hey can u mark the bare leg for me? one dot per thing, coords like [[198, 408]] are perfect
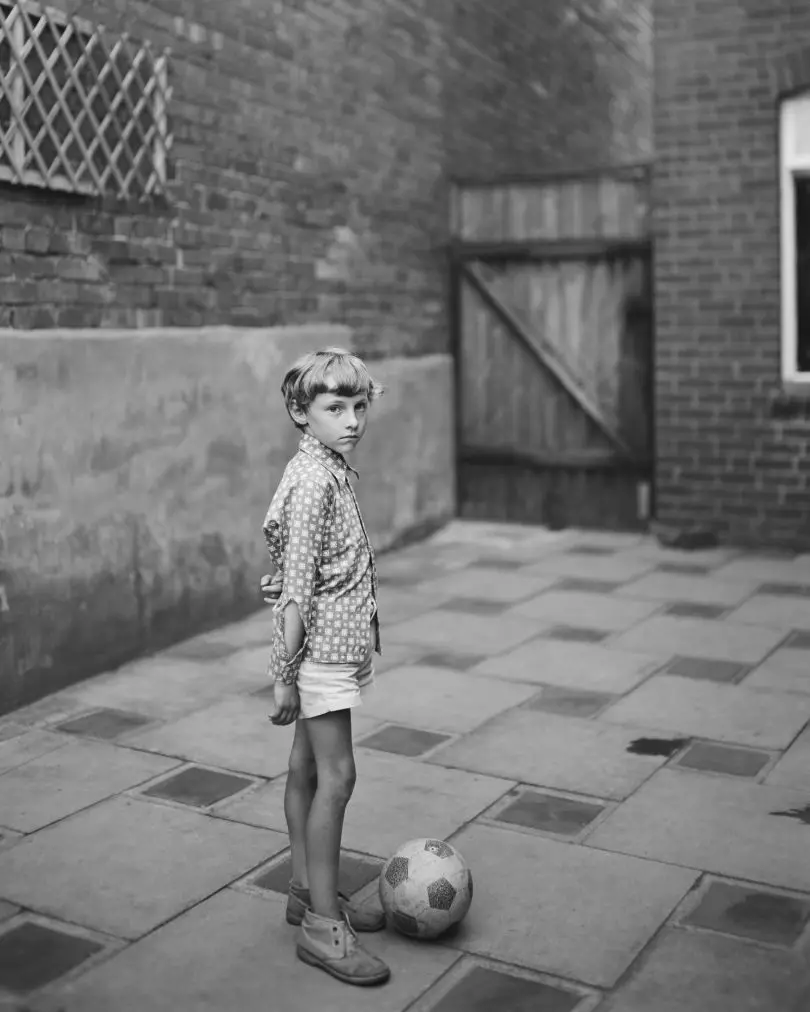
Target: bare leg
[[330, 737], [298, 795]]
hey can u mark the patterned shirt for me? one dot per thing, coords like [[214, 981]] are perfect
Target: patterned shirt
[[316, 537]]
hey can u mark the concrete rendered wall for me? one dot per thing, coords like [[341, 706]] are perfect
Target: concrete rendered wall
[[136, 471]]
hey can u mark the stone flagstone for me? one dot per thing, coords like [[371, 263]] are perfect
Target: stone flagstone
[[68, 779], [617, 568], [22, 748], [776, 610], [235, 734], [698, 971], [705, 709], [395, 799], [487, 584], [572, 665], [722, 641], [471, 634], [126, 866], [565, 753], [793, 769], [235, 951], [680, 587], [439, 699], [553, 907], [786, 670], [596, 611], [720, 825]]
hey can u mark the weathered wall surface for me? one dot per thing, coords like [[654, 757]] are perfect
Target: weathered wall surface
[[730, 456], [137, 472], [312, 145]]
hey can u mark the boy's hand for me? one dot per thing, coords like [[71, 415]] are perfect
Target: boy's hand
[[270, 587], [287, 704]]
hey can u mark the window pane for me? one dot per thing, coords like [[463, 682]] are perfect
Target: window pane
[[802, 185]]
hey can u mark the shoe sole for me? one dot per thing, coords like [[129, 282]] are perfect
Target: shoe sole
[[307, 957]]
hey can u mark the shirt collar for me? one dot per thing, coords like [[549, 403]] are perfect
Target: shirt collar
[[330, 459]]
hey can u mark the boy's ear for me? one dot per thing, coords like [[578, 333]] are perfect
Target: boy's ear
[[297, 413]]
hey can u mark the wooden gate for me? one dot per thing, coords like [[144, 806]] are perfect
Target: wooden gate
[[552, 321]]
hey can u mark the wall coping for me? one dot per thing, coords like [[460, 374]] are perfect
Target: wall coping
[[338, 332]]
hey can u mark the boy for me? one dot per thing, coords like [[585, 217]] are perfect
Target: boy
[[325, 634]]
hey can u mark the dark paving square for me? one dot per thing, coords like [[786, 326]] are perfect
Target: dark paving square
[[549, 813], [692, 609], [683, 568], [569, 702], [202, 651], [784, 589], [484, 990], [707, 669], [575, 634], [469, 606], [799, 639], [458, 662], [104, 724], [198, 787], [736, 761], [751, 913], [355, 873], [590, 550], [503, 564], [32, 955], [407, 579], [405, 741], [586, 586]]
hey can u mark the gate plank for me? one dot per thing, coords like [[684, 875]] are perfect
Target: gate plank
[[545, 355]]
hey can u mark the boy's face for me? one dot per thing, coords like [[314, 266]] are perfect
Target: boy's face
[[337, 422]]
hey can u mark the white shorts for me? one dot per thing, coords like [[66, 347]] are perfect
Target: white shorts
[[323, 688]]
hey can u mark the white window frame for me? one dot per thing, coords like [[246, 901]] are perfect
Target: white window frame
[[21, 26], [794, 134]]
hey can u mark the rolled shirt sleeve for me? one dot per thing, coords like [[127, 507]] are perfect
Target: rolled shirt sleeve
[[294, 535]]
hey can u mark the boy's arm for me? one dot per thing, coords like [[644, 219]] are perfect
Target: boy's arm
[[306, 515]]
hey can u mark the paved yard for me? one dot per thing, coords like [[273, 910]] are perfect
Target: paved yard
[[613, 734]]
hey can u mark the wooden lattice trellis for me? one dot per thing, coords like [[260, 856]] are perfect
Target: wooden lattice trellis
[[79, 111]]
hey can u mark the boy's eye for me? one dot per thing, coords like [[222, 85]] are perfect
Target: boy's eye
[[361, 407], [336, 409]]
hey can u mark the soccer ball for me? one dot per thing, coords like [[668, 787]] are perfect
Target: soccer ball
[[425, 888]]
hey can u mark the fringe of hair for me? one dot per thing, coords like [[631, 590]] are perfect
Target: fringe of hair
[[331, 370]]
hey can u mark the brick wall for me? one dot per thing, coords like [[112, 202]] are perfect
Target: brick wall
[[728, 457], [311, 143]]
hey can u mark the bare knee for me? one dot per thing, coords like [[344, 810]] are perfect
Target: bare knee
[[302, 769], [338, 779]]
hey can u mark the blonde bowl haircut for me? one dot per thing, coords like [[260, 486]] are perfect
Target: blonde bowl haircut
[[329, 371]]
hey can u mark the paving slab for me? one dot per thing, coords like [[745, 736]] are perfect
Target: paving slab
[[722, 641], [65, 780], [487, 584], [235, 734], [763, 568], [704, 709], [572, 665], [778, 611], [747, 911], [254, 968], [439, 699], [617, 568], [166, 687], [793, 769], [398, 605], [127, 865], [660, 586], [546, 750], [596, 611], [555, 907], [395, 800], [471, 634], [728, 827], [22, 748], [696, 971], [785, 670]]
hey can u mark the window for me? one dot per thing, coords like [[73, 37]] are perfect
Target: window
[[79, 111], [795, 191]]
